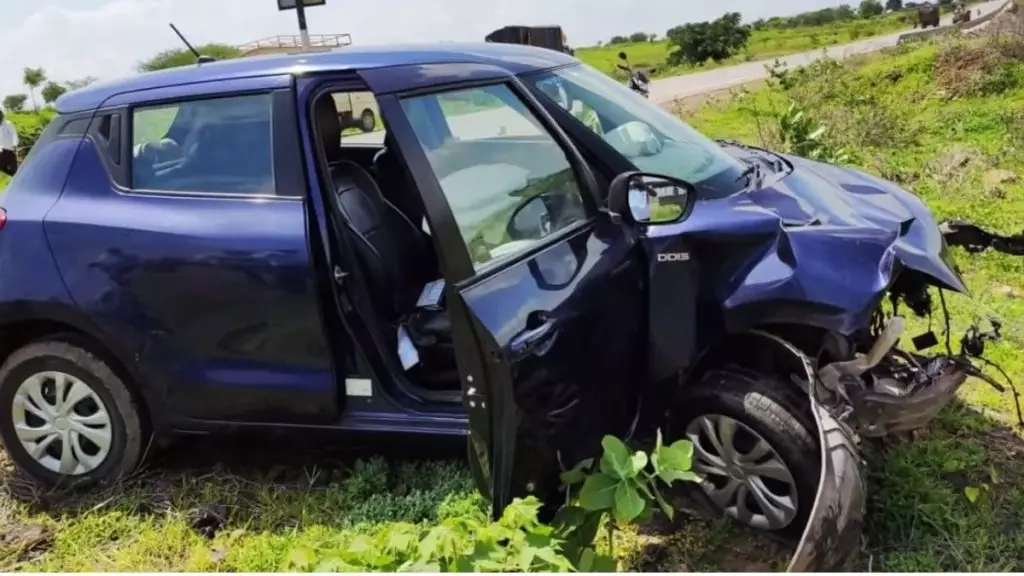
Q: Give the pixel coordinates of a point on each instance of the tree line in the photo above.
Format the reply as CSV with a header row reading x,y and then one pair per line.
x,y
36,81
717,40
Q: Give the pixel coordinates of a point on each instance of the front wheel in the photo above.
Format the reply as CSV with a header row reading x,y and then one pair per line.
x,y
755,447
66,417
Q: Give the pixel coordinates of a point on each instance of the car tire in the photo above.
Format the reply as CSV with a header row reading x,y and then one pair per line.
x,y
367,121
756,408
100,403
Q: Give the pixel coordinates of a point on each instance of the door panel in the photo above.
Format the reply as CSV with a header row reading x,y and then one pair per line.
x,y
562,343
547,318
214,294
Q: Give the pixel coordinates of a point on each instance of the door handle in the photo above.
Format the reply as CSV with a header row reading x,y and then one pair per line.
x,y
540,327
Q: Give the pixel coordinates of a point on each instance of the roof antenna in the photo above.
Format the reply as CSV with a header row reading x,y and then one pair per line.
x,y
200,59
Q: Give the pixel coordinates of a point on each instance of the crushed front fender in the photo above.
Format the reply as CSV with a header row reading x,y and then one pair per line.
x,y
831,538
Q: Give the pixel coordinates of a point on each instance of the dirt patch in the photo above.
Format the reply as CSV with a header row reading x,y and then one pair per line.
x,y
23,542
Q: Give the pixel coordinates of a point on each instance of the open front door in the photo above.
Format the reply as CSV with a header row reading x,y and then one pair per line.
x,y
546,295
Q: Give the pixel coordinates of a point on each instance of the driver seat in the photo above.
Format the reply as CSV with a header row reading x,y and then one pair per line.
x,y
396,256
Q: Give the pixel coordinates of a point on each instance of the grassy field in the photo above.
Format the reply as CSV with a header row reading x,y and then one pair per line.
x,y
764,44
944,120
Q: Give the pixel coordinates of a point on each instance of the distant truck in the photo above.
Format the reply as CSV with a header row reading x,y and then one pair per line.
x,y
542,36
927,15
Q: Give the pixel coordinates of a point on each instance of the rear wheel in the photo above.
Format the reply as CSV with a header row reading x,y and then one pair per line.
x,y
66,417
755,447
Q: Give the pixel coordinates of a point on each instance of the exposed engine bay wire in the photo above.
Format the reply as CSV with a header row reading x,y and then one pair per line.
x,y
977,339
945,316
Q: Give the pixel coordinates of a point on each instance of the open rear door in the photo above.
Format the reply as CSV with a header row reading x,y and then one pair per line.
x,y
545,294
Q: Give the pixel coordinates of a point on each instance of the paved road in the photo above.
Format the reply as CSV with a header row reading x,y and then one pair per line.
x,y
669,89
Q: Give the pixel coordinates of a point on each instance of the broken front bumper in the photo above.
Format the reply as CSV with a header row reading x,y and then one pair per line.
x,y
879,393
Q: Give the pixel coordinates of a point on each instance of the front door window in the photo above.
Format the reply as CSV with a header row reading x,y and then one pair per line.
x,y
507,182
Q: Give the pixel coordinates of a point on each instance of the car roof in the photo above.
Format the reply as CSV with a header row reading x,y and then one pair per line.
x,y
515,58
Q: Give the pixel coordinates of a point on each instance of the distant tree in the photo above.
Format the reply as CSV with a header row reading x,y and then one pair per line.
x,y
870,8
52,91
845,12
699,42
33,78
14,102
80,83
618,40
894,5
638,37
182,57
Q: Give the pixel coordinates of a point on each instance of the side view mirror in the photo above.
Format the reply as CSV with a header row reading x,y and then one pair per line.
x,y
530,220
650,199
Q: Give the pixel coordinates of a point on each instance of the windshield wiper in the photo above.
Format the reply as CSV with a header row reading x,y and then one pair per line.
x,y
752,173
780,162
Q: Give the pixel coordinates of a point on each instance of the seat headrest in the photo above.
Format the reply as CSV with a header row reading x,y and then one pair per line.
x,y
328,127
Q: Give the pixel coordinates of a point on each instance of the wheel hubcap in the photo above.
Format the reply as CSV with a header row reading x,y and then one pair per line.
x,y
743,474
62,423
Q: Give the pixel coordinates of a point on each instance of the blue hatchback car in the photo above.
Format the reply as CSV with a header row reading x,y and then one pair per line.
x,y
528,254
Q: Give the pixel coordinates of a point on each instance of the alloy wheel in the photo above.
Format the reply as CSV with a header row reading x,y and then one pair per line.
x,y
62,423
743,474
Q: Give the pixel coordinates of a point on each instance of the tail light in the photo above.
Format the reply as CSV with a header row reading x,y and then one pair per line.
x,y
3,217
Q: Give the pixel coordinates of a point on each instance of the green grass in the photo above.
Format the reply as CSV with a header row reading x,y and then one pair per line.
x,y
764,44
938,134
898,112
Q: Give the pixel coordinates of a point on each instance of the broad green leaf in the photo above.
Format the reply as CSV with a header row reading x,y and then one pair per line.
x,y
335,564
420,566
526,558
577,473
586,563
616,460
598,492
972,493
554,559
674,462
604,564
628,502
299,559
639,462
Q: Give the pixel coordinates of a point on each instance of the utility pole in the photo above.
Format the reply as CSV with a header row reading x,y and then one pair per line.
x,y
300,11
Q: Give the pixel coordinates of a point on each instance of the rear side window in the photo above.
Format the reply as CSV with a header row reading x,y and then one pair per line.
x,y
217,145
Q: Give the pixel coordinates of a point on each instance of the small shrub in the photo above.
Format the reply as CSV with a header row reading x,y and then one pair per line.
x,y
980,69
622,488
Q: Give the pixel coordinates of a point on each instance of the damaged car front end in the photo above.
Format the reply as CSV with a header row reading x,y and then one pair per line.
x,y
821,263
777,292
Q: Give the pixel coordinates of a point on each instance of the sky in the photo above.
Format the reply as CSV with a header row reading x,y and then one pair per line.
x,y
71,39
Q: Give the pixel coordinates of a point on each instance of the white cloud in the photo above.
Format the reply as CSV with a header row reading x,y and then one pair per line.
x,y
106,38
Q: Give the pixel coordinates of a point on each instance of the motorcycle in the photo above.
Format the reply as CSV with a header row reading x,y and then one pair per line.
x,y
639,80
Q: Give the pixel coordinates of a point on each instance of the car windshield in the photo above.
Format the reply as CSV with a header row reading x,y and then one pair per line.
x,y
653,140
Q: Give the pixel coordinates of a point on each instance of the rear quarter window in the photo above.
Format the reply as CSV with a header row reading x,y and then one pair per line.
x,y
215,145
